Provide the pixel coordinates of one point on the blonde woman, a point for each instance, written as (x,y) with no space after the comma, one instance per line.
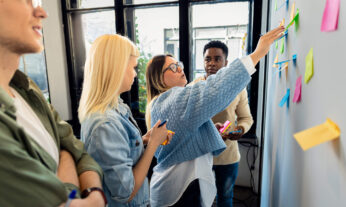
(109,131)
(183,175)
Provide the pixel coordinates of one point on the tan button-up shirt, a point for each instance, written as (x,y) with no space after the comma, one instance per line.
(239,111)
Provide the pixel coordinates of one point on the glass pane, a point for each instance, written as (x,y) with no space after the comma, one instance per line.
(227,22)
(34,65)
(145,1)
(86,27)
(153,40)
(91,3)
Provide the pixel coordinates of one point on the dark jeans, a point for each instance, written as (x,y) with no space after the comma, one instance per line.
(225,176)
(191,197)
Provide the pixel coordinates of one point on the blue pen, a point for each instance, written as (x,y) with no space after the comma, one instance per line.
(71,196)
(162,123)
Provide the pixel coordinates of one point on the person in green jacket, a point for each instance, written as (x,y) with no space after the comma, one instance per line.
(41,159)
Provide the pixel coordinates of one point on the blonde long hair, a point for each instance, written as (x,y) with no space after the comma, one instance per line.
(154,82)
(104,72)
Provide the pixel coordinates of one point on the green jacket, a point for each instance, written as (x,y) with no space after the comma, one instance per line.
(27,172)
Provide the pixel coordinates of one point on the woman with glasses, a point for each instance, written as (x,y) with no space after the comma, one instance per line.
(183,175)
(109,131)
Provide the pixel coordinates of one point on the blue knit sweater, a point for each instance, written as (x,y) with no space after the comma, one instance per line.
(189,111)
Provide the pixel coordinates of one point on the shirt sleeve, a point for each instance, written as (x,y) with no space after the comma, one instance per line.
(73,145)
(247,61)
(25,181)
(244,117)
(109,146)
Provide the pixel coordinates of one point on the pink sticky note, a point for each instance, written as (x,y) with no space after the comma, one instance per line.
(297,91)
(330,16)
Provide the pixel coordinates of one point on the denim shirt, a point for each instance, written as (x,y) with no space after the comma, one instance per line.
(116,144)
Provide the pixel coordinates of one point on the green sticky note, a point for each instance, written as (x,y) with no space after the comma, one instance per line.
(276,44)
(309,66)
(296,19)
(276,5)
(282,45)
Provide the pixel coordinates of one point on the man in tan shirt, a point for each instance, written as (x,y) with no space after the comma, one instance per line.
(238,112)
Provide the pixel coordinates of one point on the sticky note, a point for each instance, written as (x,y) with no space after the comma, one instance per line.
(317,135)
(166,141)
(276,61)
(294,59)
(285,99)
(330,18)
(276,44)
(282,50)
(297,91)
(276,5)
(296,20)
(286,69)
(280,70)
(226,125)
(282,22)
(309,66)
(292,11)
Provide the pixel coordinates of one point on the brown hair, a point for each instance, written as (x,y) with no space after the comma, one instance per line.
(154,79)
(154,76)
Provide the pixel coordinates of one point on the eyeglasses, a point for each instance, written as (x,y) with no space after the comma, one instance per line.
(36,3)
(174,67)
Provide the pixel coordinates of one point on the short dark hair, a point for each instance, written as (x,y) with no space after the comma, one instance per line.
(216,44)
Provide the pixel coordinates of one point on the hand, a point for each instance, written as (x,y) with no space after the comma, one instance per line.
(236,135)
(146,137)
(264,43)
(158,135)
(94,199)
(218,126)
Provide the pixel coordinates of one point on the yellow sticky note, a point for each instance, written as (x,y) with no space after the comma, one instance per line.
(282,22)
(286,69)
(317,135)
(309,66)
(276,61)
(244,41)
(292,11)
(166,141)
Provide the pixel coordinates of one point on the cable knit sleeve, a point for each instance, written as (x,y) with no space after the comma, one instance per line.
(195,104)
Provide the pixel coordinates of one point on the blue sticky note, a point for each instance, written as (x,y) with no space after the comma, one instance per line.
(294,59)
(287,4)
(285,99)
(280,71)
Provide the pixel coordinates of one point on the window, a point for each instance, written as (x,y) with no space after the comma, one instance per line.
(181,28)
(81,4)
(145,1)
(151,40)
(34,65)
(226,22)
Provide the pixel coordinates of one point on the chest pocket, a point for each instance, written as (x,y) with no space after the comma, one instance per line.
(136,147)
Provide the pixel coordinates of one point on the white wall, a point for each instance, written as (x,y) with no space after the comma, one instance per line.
(56,59)
(291,176)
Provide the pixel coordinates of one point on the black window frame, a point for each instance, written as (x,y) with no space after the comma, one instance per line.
(185,49)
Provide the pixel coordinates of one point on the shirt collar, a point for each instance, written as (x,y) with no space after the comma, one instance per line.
(19,80)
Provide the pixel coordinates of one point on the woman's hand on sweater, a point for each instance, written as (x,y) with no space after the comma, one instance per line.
(158,134)
(265,42)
